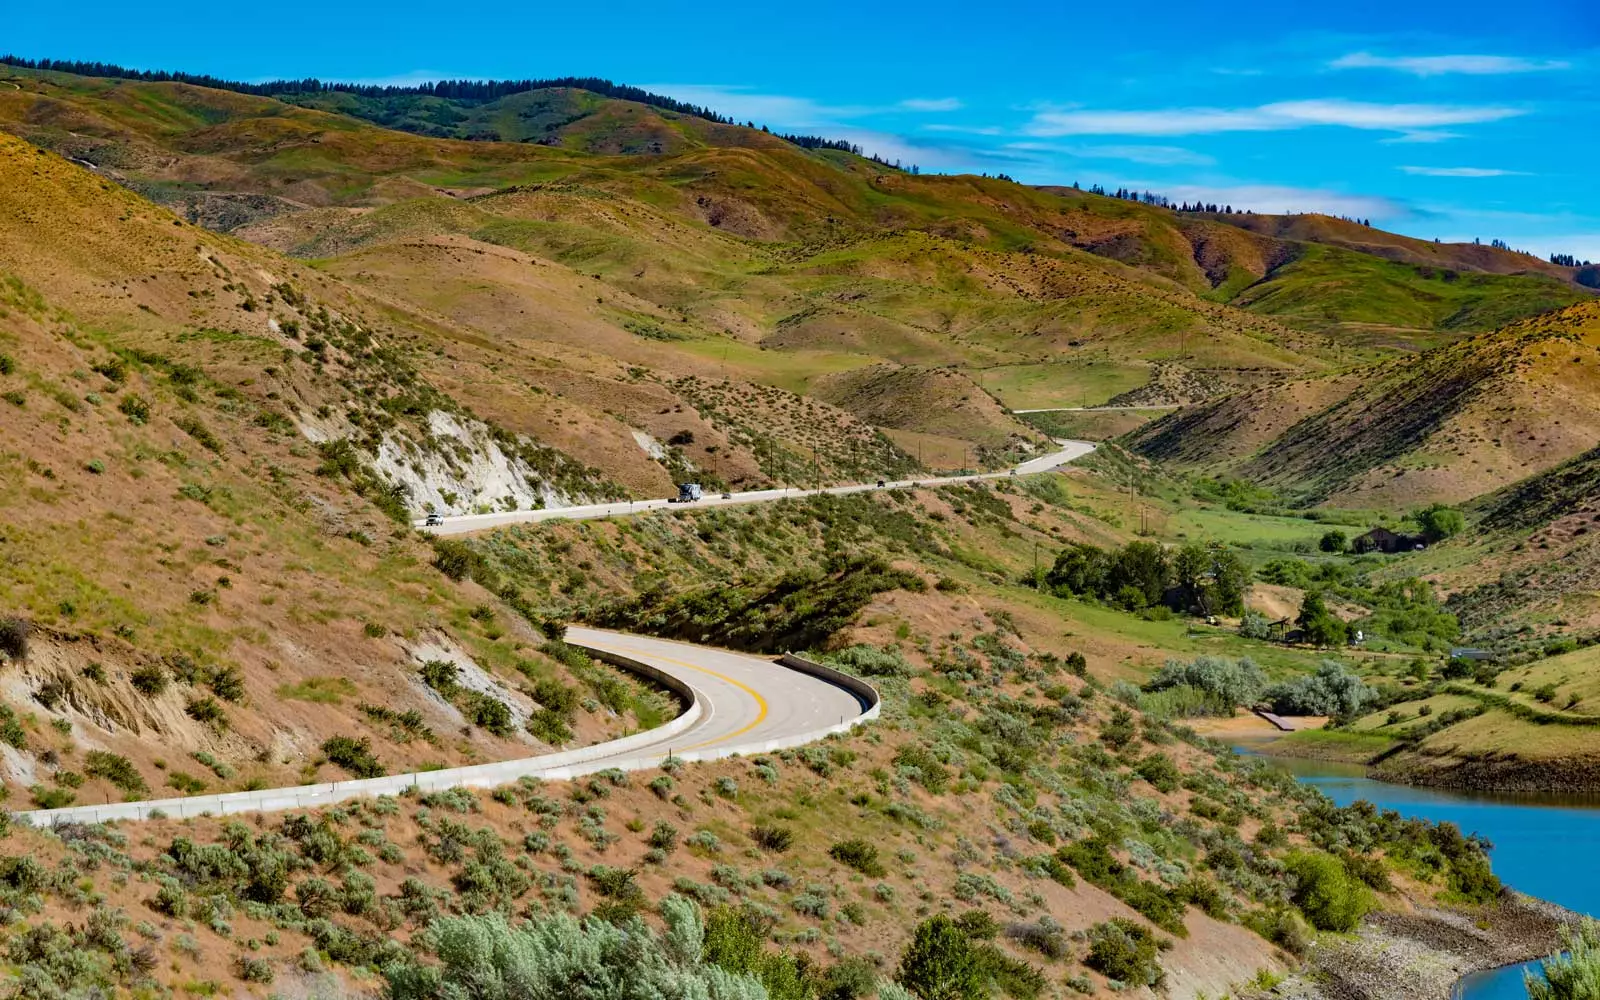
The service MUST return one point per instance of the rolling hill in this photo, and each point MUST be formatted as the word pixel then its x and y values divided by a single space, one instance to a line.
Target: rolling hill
pixel 801 251
pixel 1447 425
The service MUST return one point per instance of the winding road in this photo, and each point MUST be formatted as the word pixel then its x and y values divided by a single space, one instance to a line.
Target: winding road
pixel 463 523
pixel 733 703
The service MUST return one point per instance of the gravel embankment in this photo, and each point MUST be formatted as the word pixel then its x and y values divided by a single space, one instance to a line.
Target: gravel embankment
pixel 1423 954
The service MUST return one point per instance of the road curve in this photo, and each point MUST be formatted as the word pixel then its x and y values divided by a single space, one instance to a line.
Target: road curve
pixel 738 704
pixel 463 523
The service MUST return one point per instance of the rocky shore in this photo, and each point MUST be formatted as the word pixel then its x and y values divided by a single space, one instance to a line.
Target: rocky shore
pixel 1422 954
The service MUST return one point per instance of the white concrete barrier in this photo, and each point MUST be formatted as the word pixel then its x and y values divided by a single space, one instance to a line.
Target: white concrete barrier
pixel 640 751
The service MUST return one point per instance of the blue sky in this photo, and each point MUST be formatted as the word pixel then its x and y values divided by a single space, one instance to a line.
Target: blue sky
pixel 1459 120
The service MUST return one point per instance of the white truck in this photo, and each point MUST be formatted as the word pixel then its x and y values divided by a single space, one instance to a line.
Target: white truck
pixel 688 493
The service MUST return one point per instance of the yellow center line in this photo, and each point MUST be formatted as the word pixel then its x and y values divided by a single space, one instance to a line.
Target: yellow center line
pixel 761 702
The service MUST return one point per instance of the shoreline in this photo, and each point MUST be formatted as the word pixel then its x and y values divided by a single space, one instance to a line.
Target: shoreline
pixel 1397 765
pixel 1425 954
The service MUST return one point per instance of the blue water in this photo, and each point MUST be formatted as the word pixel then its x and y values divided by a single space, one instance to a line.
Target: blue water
pixel 1543 844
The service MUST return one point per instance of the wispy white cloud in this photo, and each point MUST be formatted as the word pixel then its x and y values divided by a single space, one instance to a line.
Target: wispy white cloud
pixel 1281 116
pixel 1461 172
pixel 742 104
pixel 966 129
pixel 1420 136
pixel 931 104
pixel 1157 156
pixel 1468 65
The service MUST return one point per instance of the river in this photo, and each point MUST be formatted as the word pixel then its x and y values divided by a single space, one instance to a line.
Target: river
pixel 1543 844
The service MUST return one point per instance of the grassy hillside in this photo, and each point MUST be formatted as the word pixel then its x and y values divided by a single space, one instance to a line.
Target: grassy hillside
pixel 1072 269
pixel 210 575
pixel 1452 423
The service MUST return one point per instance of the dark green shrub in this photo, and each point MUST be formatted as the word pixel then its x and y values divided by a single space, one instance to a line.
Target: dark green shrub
pixel 940 962
pixel 116 769
pixel 440 675
pixel 1326 892
pixel 51 798
pixel 207 710
pixel 135 407
pixel 926 770
pixel 860 855
pixel 776 839
pixel 227 683
pixel 1160 771
pixel 1126 951
pixel 492 714
pixel 14 633
pixel 253 970
pixel 354 756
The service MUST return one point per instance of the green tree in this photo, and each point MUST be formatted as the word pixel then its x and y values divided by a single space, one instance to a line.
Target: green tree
pixel 941 964
pixel 1325 891
pixel 1439 522
pixel 1333 541
pixel 1142 566
pixel 1321 626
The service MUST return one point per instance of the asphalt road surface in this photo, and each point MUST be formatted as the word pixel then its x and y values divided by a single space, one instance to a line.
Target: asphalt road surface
pixel 464 523
pixel 743 704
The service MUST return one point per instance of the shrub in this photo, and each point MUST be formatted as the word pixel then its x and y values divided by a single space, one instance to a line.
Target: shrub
pixel 1334 541
pixel 928 771
pixel 664 836
pixel 207 710
pixel 440 675
pixel 456 559
pixel 227 683
pixel 1160 771
pixel 940 962
pixel 193 427
pixel 1232 682
pixel 51 798
pixel 860 855
pixel 776 839
pixel 14 633
pixel 253 970
pixel 1332 691
pixel 1255 625
pixel 1326 892
pixel 135 407
pixel 354 756
pixel 1126 951
pixel 492 714
pixel 1571 973
pixel 489 959
pixel 116 769
pixel 550 727
pixel 871 661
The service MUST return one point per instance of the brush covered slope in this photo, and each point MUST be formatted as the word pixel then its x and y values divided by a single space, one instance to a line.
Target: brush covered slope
pixel 211 458
pixel 1013 812
pixel 1447 425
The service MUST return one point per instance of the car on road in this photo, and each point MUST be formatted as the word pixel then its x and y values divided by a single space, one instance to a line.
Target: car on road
pixel 727 496
pixel 880 484
pixel 435 520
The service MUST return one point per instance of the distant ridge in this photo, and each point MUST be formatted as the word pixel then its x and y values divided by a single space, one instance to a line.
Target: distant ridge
pixel 471 91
